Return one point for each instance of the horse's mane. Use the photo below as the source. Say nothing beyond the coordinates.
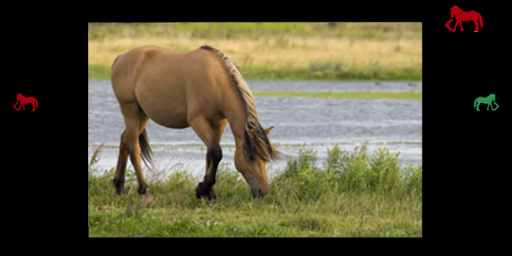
(259, 144)
(454, 9)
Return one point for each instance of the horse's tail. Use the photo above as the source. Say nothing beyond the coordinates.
(145, 149)
(474, 105)
(117, 57)
(480, 21)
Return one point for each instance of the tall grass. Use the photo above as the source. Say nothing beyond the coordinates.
(277, 51)
(255, 30)
(352, 194)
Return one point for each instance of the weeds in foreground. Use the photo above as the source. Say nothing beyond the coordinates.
(96, 155)
(351, 172)
(352, 194)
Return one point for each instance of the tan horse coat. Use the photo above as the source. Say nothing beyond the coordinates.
(203, 89)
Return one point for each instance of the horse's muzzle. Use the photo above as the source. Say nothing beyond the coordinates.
(257, 192)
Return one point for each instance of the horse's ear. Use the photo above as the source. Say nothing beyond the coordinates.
(267, 131)
(252, 133)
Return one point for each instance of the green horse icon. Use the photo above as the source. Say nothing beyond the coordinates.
(487, 100)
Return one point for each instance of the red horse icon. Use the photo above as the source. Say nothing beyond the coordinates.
(461, 16)
(23, 100)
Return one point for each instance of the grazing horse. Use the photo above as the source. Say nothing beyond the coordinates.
(203, 89)
(487, 100)
(461, 16)
(22, 100)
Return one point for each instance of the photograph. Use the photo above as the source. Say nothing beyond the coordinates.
(257, 129)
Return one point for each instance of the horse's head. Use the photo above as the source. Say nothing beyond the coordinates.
(492, 97)
(453, 10)
(251, 160)
(18, 97)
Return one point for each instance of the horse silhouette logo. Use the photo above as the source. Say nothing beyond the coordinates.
(24, 100)
(461, 16)
(487, 100)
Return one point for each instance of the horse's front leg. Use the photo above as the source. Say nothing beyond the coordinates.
(461, 29)
(447, 25)
(210, 135)
(455, 28)
(17, 109)
(497, 106)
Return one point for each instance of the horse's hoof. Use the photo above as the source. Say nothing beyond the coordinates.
(200, 192)
(212, 196)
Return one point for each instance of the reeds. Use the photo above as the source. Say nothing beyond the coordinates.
(96, 155)
(351, 194)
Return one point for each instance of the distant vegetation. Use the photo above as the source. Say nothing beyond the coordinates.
(354, 194)
(370, 95)
(276, 51)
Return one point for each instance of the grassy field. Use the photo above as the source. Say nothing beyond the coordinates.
(277, 51)
(354, 194)
(370, 95)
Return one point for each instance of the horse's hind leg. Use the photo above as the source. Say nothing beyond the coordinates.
(457, 23)
(213, 154)
(476, 25)
(121, 164)
(135, 121)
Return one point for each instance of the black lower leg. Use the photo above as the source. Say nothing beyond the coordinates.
(205, 189)
(142, 189)
(119, 185)
(213, 158)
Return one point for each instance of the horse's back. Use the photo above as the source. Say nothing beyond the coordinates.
(466, 16)
(169, 84)
(127, 68)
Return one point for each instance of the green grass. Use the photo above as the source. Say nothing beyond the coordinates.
(325, 73)
(354, 194)
(99, 72)
(368, 95)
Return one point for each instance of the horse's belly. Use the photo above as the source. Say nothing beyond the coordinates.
(170, 118)
(163, 102)
(167, 111)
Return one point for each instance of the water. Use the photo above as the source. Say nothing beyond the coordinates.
(320, 123)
